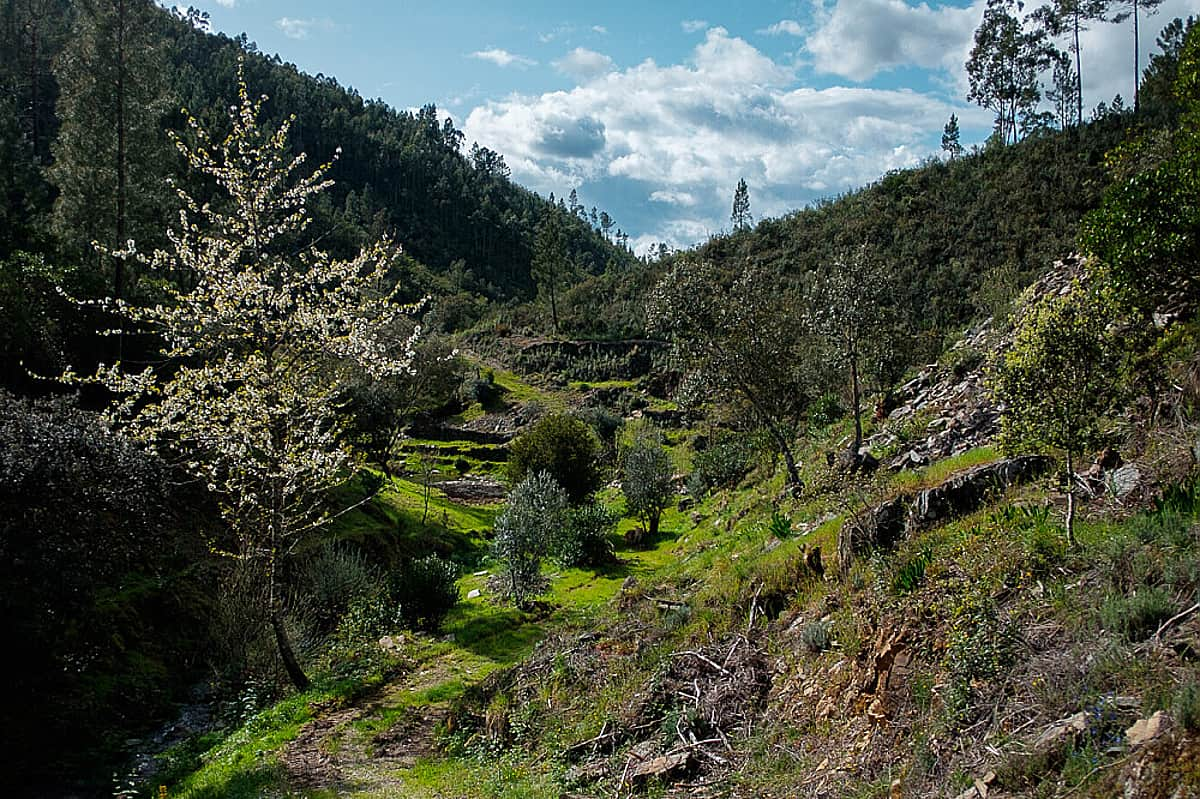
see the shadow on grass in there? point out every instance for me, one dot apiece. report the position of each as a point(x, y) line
point(250, 784)
point(502, 635)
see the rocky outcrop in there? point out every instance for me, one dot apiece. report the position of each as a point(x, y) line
point(885, 524)
point(967, 492)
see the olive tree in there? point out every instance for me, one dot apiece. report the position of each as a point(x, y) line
point(248, 393)
point(526, 530)
point(646, 482)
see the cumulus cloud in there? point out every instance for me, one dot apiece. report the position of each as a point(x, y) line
point(584, 64)
point(1107, 53)
point(227, 3)
point(693, 25)
point(784, 26)
point(600, 29)
point(302, 28)
point(857, 39)
point(682, 135)
point(503, 58)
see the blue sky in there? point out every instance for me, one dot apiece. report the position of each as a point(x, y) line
point(654, 110)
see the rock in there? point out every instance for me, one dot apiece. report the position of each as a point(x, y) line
point(1124, 480)
point(392, 644)
point(1060, 732)
point(586, 773)
point(474, 593)
point(1144, 731)
point(968, 491)
point(672, 763)
point(686, 503)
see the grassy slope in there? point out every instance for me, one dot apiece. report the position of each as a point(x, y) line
point(977, 585)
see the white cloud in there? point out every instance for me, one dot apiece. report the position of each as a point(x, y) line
point(684, 134)
point(303, 28)
point(503, 58)
point(600, 29)
point(226, 3)
point(584, 64)
point(683, 198)
point(693, 25)
point(784, 26)
point(1106, 51)
point(857, 39)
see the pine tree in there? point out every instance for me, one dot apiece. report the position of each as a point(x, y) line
point(110, 149)
point(1133, 9)
point(950, 138)
point(740, 217)
point(549, 265)
point(1071, 17)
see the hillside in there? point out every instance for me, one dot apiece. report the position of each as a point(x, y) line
point(896, 495)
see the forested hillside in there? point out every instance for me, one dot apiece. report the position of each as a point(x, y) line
point(85, 157)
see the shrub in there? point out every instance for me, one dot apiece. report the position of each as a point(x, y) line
point(723, 463)
point(331, 580)
point(815, 636)
point(425, 590)
point(780, 526)
point(1185, 706)
point(606, 425)
point(1136, 617)
point(525, 530)
point(825, 410)
point(565, 448)
point(484, 390)
point(584, 539)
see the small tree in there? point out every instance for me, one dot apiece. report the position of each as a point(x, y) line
point(737, 339)
point(646, 482)
point(950, 138)
point(563, 446)
point(849, 306)
point(250, 395)
point(1057, 378)
point(740, 217)
point(525, 531)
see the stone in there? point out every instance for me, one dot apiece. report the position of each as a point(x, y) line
point(1144, 731)
point(1124, 480)
point(660, 767)
point(474, 593)
point(1061, 732)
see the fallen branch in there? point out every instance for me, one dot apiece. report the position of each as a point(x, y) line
point(1178, 617)
point(698, 656)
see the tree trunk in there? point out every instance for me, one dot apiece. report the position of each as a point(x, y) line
point(119, 263)
point(286, 653)
point(554, 307)
point(1078, 74)
point(1136, 57)
point(1070, 500)
point(653, 531)
point(856, 394)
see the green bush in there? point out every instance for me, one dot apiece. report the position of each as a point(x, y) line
point(815, 636)
point(584, 538)
point(331, 580)
point(1185, 706)
point(826, 410)
point(565, 448)
point(425, 590)
point(1136, 617)
point(722, 464)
